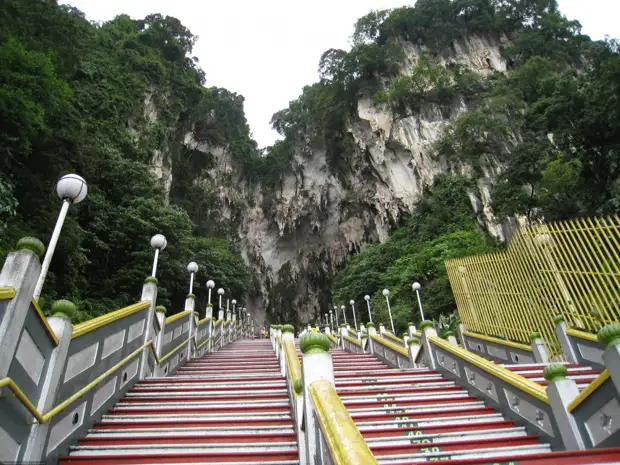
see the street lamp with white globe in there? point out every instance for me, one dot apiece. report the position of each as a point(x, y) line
point(386, 294)
point(220, 293)
point(344, 313)
point(192, 267)
point(210, 285)
point(367, 299)
point(71, 189)
point(416, 287)
point(336, 313)
point(352, 303)
point(158, 242)
point(234, 303)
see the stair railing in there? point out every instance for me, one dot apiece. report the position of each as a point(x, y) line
point(57, 379)
point(330, 433)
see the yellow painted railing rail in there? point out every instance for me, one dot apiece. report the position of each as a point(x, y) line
point(44, 322)
point(6, 293)
point(515, 380)
point(177, 316)
point(569, 268)
point(346, 444)
point(292, 362)
point(45, 417)
point(581, 335)
point(103, 320)
point(333, 339)
point(352, 340)
point(393, 337)
point(589, 390)
point(390, 345)
point(498, 341)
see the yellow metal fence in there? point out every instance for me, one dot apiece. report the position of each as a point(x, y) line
point(570, 268)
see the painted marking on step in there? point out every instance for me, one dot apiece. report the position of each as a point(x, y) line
point(430, 450)
point(393, 408)
point(385, 397)
point(369, 380)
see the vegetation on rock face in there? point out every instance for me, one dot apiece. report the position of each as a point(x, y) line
point(100, 100)
point(104, 100)
point(443, 227)
point(551, 122)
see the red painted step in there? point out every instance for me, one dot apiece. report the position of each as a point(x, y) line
point(429, 430)
point(202, 457)
point(228, 438)
point(361, 417)
point(584, 457)
point(383, 450)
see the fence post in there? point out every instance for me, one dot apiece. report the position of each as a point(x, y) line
point(561, 391)
point(149, 292)
point(539, 349)
point(21, 272)
point(428, 330)
point(413, 347)
point(60, 322)
point(317, 365)
point(565, 343)
point(190, 304)
point(610, 337)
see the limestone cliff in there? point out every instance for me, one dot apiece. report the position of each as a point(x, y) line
point(317, 219)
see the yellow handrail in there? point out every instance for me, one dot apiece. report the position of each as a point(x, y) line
point(518, 381)
point(334, 339)
point(498, 341)
point(346, 444)
point(589, 390)
point(7, 293)
point(91, 325)
point(204, 320)
point(44, 418)
point(384, 342)
point(581, 334)
point(44, 321)
point(173, 318)
point(352, 340)
point(292, 362)
point(393, 337)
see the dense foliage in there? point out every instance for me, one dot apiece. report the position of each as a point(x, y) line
point(551, 123)
point(443, 227)
point(102, 100)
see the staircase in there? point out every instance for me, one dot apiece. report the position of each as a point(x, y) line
point(228, 407)
point(583, 375)
point(415, 416)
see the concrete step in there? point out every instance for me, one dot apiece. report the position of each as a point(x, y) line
point(411, 420)
point(171, 448)
point(212, 392)
point(402, 429)
point(364, 379)
point(435, 453)
point(406, 399)
point(381, 387)
point(431, 408)
point(472, 435)
point(195, 407)
point(280, 394)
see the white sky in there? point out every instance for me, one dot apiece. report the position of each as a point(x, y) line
point(267, 50)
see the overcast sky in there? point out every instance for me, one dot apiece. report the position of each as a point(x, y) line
point(267, 50)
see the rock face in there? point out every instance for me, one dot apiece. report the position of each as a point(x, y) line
point(317, 220)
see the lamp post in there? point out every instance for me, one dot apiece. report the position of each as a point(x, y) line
point(192, 267)
point(331, 319)
point(336, 313)
point(344, 313)
point(234, 303)
point(71, 188)
point(220, 311)
point(386, 293)
point(416, 287)
point(227, 310)
point(367, 299)
point(352, 302)
point(210, 285)
point(158, 242)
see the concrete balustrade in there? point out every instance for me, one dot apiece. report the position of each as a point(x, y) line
point(64, 376)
